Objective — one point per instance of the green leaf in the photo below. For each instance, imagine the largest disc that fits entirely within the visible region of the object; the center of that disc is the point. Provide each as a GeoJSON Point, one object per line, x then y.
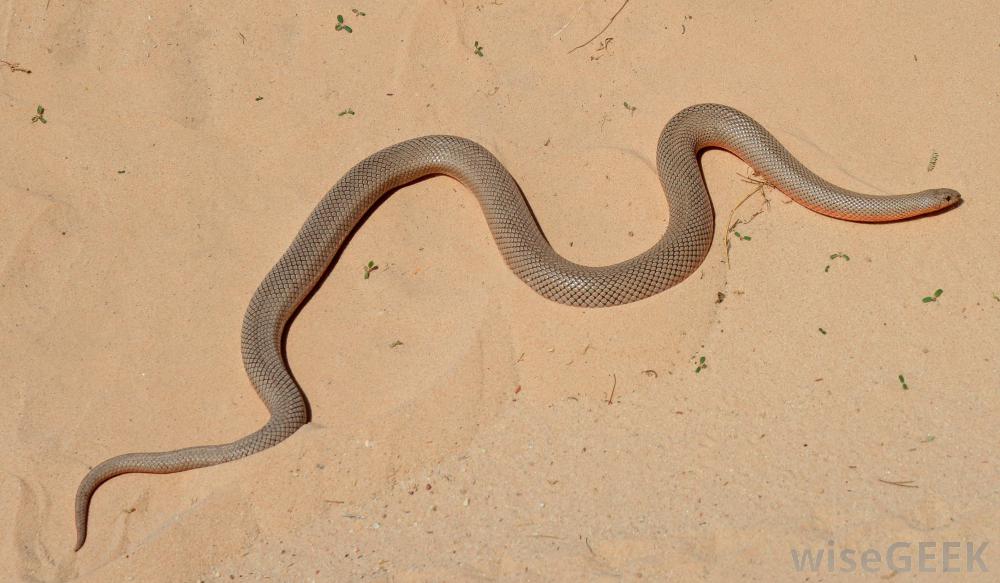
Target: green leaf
{"type": "Point", "coordinates": [928, 299]}
{"type": "Point", "coordinates": [347, 28]}
{"type": "Point", "coordinates": [40, 110]}
{"type": "Point", "coordinates": [937, 293]}
{"type": "Point", "coordinates": [834, 256]}
{"type": "Point", "coordinates": [340, 18]}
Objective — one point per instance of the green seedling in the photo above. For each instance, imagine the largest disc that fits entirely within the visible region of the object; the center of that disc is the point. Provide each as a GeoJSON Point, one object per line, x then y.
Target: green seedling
{"type": "Point", "coordinates": [996, 297]}
{"type": "Point", "coordinates": [347, 111]}
{"type": "Point", "coordinates": [822, 331]}
{"type": "Point", "coordinates": [370, 268]}
{"type": "Point", "coordinates": [933, 297]}
{"type": "Point", "coordinates": [341, 25]}
{"type": "Point", "coordinates": [702, 365]}
{"type": "Point", "coordinates": [902, 382]}
{"type": "Point", "coordinates": [396, 343]}
{"type": "Point", "coordinates": [40, 115]}
{"type": "Point", "coordinates": [834, 257]}
{"type": "Point", "coordinates": [630, 108]}
{"type": "Point", "coordinates": [478, 48]}
{"type": "Point", "coordinates": [741, 237]}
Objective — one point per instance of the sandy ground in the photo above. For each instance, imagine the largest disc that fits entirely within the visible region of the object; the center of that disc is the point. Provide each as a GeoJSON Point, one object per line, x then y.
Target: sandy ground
{"type": "Point", "coordinates": [507, 438]}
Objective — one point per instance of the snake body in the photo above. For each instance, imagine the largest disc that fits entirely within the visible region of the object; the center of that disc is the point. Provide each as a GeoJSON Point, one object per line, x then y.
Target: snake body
{"type": "Point", "coordinates": [671, 259]}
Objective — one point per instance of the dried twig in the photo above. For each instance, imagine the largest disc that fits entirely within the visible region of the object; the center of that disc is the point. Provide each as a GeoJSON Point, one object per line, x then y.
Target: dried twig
{"type": "Point", "coordinates": [615, 15]}
{"type": "Point", "coordinates": [568, 22]}
{"type": "Point", "coordinates": [762, 187]}
{"type": "Point", "coordinates": [15, 67]}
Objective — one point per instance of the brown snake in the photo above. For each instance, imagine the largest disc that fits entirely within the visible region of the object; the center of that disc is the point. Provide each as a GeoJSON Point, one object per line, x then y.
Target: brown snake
{"type": "Point", "coordinates": [675, 256]}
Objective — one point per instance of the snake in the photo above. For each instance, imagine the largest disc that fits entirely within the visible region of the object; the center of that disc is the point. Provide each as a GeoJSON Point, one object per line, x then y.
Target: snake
{"type": "Point", "coordinates": [677, 254]}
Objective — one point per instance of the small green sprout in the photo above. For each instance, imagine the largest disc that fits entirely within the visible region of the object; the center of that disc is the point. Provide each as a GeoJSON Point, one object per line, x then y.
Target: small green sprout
{"type": "Point", "coordinates": [341, 25]}
{"type": "Point", "coordinates": [702, 365]}
{"type": "Point", "coordinates": [741, 237]}
{"type": "Point", "coordinates": [996, 296]}
{"type": "Point", "coordinates": [478, 49]}
{"type": "Point", "coordinates": [822, 331]}
{"type": "Point", "coordinates": [630, 108]}
{"type": "Point", "coordinates": [834, 257]}
{"type": "Point", "coordinates": [370, 268]}
{"type": "Point", "coordinates": [347, 111]}
{"type": "Point", "coordinates": [933, 297]}
{"type": "Point", "coordinates": [902, 382]}
{"type": "Point", "coordinates": [396, 343]}
{"type": "Point", "coordinates": [40, 115]}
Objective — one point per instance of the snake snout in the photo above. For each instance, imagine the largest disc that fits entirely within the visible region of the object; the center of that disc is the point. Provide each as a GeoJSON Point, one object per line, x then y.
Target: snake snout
{"type": "Point", "coordinates": [947, 197]}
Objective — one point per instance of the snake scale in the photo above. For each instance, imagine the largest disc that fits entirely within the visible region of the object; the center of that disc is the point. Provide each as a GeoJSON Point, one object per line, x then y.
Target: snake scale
{"type": "Point", "coordinates": [524, 248]}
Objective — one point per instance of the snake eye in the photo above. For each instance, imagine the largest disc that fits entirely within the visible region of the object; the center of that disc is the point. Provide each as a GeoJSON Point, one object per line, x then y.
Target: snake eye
{"type": "Point", "coordinates": [948, 197]}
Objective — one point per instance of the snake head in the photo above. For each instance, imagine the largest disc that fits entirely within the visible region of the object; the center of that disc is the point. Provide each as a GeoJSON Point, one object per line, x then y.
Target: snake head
{"type": "Point", "coordinates": [943, 198]}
